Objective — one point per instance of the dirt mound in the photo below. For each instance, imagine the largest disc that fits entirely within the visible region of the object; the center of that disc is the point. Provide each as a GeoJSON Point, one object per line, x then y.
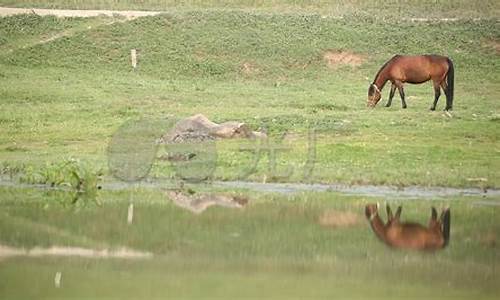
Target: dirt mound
{"type": "Point", "coordinates": [249, 68]}
{"type": "Point", "coordinates": [494, 44]}
{"type": "Point", "coordinates": [336, 219]}
{"type": "Point", "coordinates": [338, 58]}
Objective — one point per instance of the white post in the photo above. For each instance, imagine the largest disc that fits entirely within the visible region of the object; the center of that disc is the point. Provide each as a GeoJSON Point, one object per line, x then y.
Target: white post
{"type": "Point", "coordinates": [133, 56]}
{"type": "Point", "coordinates": [130, 215]}
{"type": "Point", "coordinates": [57, 279]}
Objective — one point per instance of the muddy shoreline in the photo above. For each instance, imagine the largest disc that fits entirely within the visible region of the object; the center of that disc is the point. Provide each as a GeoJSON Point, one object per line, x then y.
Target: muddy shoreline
{"type": "Point", "coordinates": [410, 192]}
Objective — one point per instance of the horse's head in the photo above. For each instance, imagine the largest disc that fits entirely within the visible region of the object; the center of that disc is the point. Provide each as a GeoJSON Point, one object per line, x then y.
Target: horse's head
{"type": "Point", "coordinates": [374, 95]}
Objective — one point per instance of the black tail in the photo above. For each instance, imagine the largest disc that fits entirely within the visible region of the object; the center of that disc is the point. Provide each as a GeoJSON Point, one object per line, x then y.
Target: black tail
{"type": "Point", "coordinates": [450, 82]}
{"type": "Point", "coordinates": [446, 227]}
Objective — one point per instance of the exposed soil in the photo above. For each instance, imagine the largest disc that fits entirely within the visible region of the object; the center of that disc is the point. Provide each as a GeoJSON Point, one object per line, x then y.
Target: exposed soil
{"type": "Point", "coordinates": [249, 68]}
{"type": "Point", "coordinates": [338, 58]}
{"type": "Point", "coordinates": [493, 44]}
{"type": "Point", "coordinates": [488, 239]}
{"type": "Point", "coordinates": [337, 219]}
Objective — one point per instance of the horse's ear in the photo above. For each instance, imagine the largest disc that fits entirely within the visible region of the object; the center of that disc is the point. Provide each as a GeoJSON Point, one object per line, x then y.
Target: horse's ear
{"type": "Point", "coordinates": [434, 213]}
{"type": "Point", "coordinates": [398, 212]}
{"type": "Point", "coordinates": [389, 212]}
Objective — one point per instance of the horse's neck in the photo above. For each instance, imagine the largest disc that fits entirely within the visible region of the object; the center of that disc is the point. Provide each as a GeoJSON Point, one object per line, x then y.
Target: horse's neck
{"type": "Point", "coordinates": [378, 227]}
{"type": "Point", "coordinates": [382, 77]}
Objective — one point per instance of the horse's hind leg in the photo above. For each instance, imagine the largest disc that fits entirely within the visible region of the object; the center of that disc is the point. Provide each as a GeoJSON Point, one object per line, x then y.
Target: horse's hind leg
{"type": "Point", "coordinates": [391, 95]}
{"type": "Point", "coordinates": [444, 86]}
{"type": "Point", "coordinates": [437, 93]}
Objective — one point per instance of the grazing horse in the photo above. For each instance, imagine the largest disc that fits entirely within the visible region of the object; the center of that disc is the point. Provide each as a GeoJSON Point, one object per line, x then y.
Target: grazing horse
{"type": "Point", "coordinates": [410, 235]}
{"type": "Point", "coordinates": [414, 69]}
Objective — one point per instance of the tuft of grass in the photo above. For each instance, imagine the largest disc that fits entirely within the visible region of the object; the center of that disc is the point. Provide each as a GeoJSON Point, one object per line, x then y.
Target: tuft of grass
{"type": "Point", "coordinates": [80, 179]}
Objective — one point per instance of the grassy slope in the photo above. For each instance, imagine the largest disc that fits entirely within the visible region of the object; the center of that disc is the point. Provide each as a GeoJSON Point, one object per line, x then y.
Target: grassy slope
{"type": "Point", "coordinates": [248, 253]}
{"type": "Point", "coordinates": [67, 96]}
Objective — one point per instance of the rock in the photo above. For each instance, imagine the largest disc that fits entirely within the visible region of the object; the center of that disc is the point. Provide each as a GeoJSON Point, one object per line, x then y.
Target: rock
{"type": "Point", "coordinates": [200, 128]}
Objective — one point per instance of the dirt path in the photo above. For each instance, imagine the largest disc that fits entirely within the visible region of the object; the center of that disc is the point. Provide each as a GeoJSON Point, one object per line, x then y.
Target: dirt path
{"type": "Point", "coordinates": [129, 14]}
{"type": "Point", "coordinates": [132, 14]}
{"type": "Point", "coordinates": [7, 252]}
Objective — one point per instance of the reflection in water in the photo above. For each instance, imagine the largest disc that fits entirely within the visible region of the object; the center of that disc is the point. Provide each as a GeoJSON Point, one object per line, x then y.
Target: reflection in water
{"type": "Point", "coordinates": [197, 203]}
{"type": "Point", "coordinates": [6, 252]}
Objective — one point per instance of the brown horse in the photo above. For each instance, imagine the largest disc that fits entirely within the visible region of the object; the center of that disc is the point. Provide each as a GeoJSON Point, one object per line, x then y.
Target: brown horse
{"type": "Point", "coordinates": [410, 235]}
{"type": "Point", "coordinates": [414, 69]}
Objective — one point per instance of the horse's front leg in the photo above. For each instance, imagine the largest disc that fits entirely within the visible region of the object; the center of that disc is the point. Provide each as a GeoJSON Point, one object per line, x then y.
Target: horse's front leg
{"type": "Point", "coordinates": [391, 94]}
{"type": "Point", "coordinates": [401, 93]}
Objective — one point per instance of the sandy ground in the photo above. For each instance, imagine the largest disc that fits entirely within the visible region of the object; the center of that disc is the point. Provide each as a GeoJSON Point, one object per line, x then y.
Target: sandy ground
{"type": "Point", "coordinates": [129, 14]}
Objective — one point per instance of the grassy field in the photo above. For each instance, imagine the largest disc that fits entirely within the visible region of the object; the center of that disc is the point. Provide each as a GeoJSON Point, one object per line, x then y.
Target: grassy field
{"type": "Point", "coordinates": [66, 86]}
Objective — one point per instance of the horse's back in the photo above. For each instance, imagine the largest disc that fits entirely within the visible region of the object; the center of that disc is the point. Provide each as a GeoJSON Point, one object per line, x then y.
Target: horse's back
{"type": "Point", "coordinates": [414, 236]}
{"type": "Point", "coordinates": [418, 68]}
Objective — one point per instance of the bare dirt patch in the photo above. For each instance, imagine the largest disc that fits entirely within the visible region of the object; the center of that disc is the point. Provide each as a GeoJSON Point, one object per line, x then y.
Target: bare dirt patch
{"type": "Point", "coordinates": [488, 239]}
{"type": "Point", "coordinates": [248, 68]}
{"type": "Point", "coordinates": [337, 219]}
{"type": "Point", "coordinates": [338, 58]}
{"type": "Point", "coordinates": [493, 44]}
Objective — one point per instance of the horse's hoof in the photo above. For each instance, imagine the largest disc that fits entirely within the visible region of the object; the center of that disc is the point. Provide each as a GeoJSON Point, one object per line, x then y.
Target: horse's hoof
{"type": "Point", "coordinates": [433, 108]}
{"type": "Point", "coordinates": [404, 107]}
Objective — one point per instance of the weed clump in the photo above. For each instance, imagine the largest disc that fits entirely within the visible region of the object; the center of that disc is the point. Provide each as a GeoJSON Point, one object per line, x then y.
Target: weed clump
{"type": "Point", "coordinates": [71, 175]}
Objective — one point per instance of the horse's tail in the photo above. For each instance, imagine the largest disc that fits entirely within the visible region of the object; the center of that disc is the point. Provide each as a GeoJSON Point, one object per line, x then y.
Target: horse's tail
{"type": "Point", "coordinates": [450, 82]}
{"type": "Point", "coordinates": [446, 227]}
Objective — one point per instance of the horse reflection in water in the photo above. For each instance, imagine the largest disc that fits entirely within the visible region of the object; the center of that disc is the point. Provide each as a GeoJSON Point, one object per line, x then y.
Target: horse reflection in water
{"type": "Point", "coordinates": [410, 235]}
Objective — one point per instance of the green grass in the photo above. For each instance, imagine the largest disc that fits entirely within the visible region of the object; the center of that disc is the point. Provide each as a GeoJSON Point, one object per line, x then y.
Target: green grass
{"type": "Point", "coordinates": [66, 97]}
{"type": "Point", "coordinates": [243, 253]}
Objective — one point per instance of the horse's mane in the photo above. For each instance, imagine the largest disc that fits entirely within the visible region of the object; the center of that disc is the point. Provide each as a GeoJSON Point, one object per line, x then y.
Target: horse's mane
{"type": "Point", "coordinates": [383, 67]}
